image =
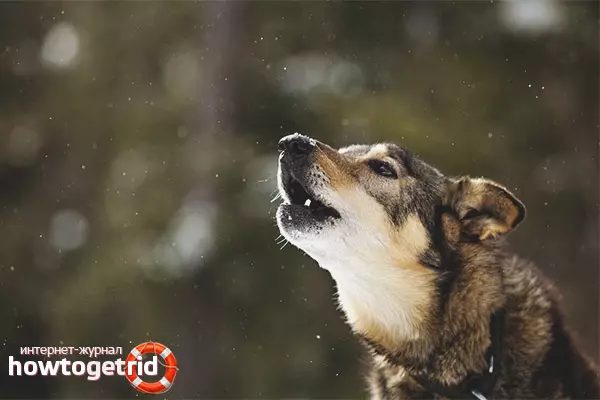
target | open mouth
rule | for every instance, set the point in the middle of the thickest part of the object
(302, 198)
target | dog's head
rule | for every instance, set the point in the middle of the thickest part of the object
(365, 202)
(382, 221)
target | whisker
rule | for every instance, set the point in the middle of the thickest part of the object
(319, 148)
(277, 196)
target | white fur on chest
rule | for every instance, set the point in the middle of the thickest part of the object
(384, 302)
(382, 289)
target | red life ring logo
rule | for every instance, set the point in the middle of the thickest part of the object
(170, 363)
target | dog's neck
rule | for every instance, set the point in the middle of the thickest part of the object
(398, 312)
(388, 304)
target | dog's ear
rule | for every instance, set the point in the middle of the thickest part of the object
(485, 209)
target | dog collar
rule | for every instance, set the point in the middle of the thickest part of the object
(480, 385)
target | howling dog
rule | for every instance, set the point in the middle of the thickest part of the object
(424, 276)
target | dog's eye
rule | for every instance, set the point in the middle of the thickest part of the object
(382, 168)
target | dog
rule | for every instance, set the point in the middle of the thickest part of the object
(425, 278)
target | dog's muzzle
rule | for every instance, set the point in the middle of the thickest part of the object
(301, 202)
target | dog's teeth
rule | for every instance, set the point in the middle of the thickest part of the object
(307, 203)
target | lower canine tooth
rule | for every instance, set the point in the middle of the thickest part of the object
(307, 203)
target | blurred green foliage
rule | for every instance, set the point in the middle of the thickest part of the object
(138, 161)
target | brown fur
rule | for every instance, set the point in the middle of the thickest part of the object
(540, 358)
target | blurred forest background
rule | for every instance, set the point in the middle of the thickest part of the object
(138, 161)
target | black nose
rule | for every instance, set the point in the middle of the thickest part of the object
(296, 144)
